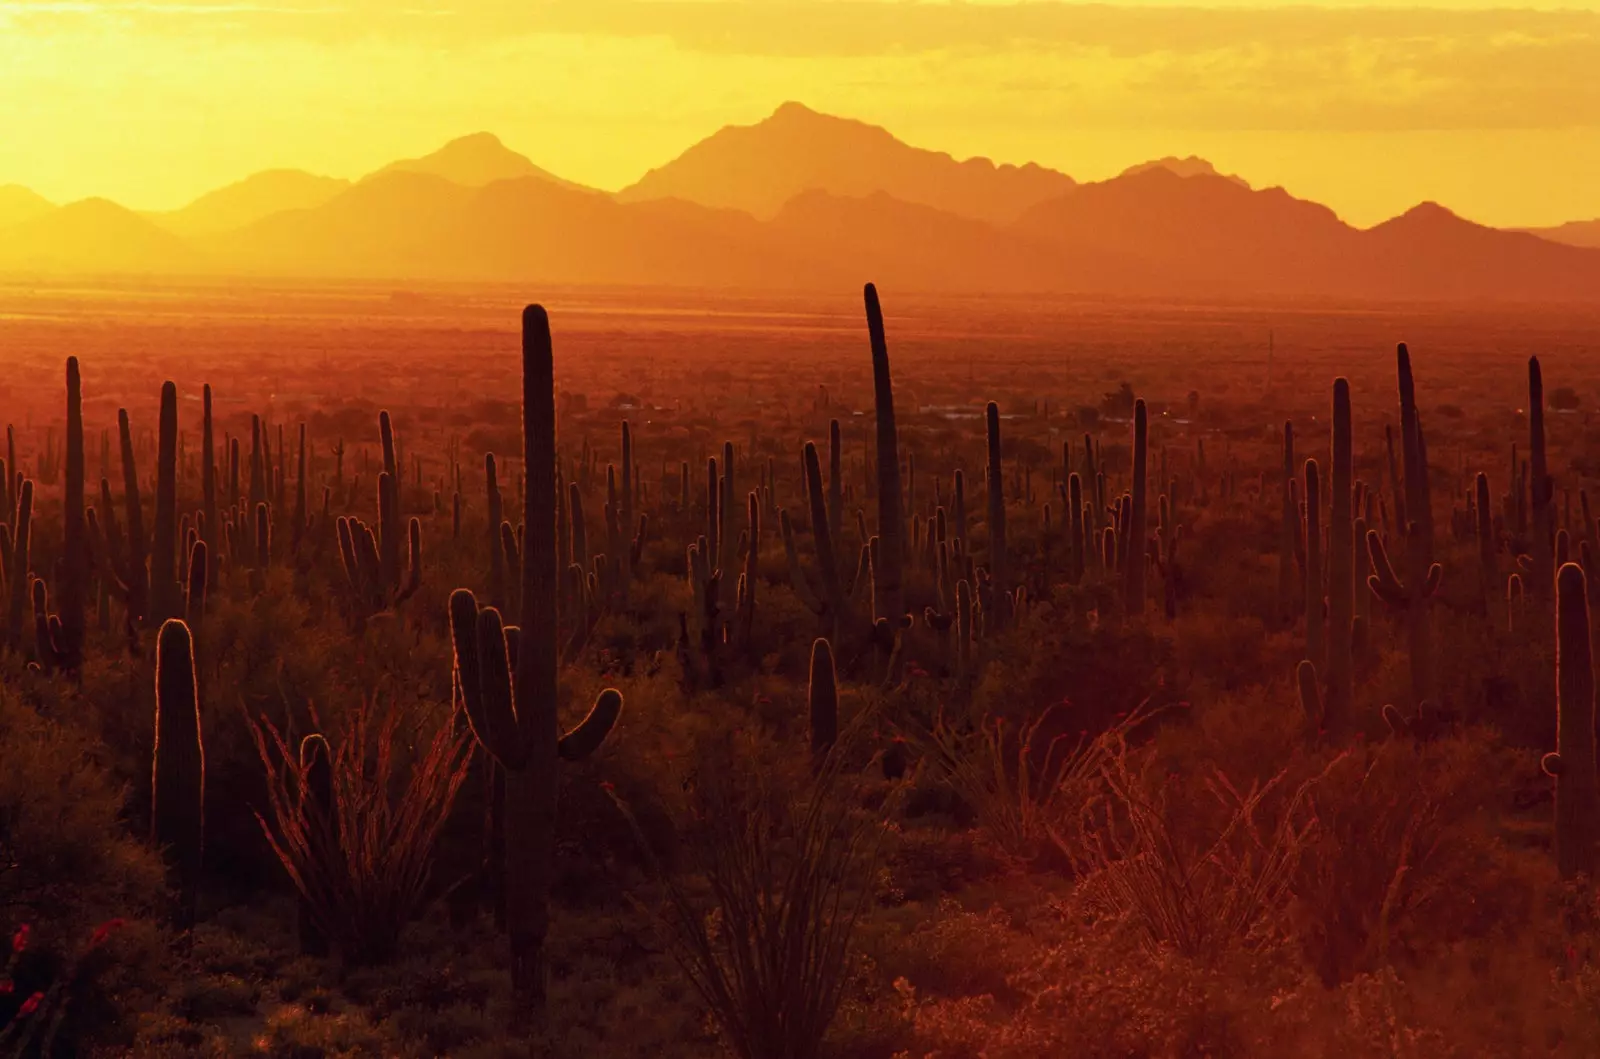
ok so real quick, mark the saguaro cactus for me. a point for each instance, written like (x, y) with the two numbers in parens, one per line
(887, 601)
(1541, 571)
(999, 561)
(1134, 565)
(1413, 597)
(515, 718)
(166, 599)
(1573, 763)
(72, 591)
(178, 784)
(1340, 560)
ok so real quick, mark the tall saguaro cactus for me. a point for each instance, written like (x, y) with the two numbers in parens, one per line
(1288, 532)
(1542, 571)
(1412, 598)
(999, 561)
(1137, 533)
(513, 714)
(166, 599)
(887, 601)
(178, 774)
(1573, 763)
(72, 592)
(1340, 561)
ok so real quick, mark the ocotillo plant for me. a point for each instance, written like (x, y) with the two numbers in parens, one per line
(1340, 561)
(515, 719)
(1573, 763)
(887, 600)
(178, 784)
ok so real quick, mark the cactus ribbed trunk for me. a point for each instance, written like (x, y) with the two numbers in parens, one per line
(72, 595)
(887, 603)
(1541, 574)
(823, 539)
(835, 484)
(530, 810)
(1136, 533)
(497, 562)
(1573, 763)
(999, 561)
(822, 696)
(138, 544)
(1419, 536)
(1341, 557)
(165, 597)
(178, 773)
(208, 480)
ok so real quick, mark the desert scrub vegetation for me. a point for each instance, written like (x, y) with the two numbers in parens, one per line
(693, 708)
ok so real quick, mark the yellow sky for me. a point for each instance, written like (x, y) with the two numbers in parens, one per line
(150, 102)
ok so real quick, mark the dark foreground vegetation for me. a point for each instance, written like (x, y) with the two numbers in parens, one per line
(790, 718)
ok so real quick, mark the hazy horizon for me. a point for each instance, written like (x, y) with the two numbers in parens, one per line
(1366, 110)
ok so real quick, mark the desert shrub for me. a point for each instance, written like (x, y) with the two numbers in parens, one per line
(362, 862)
(1400, 844)
(787, 865)
(70, 876)
(1199, 887)
(1023, 782)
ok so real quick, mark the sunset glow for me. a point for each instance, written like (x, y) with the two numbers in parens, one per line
(1493, 113)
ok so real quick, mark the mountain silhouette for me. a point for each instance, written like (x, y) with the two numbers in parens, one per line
(474, 161)
(18, 204)
(414, 225)
(93, 236)
(806, 201)
(1193, 235)
(1573, 233)
(913, 246)
(758, 168)
(249, 200)
(1185, 167)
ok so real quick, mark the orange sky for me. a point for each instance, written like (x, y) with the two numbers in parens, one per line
(150, 102)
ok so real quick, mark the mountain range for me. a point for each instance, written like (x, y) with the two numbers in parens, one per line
(805, 200)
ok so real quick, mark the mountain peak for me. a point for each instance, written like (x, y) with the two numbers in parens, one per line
(475, 160)
(18, 204)
(758, 168)
(1193, 165)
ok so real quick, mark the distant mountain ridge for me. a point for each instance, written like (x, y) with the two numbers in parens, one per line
(803, 200)
(759, 168)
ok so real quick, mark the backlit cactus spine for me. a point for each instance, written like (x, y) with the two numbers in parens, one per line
(1573, 763)
(514, 717)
